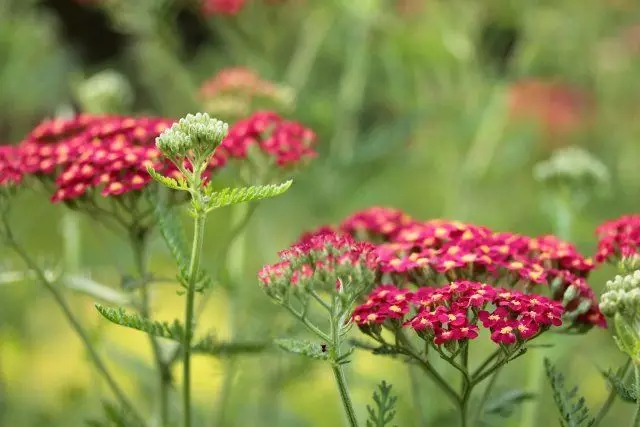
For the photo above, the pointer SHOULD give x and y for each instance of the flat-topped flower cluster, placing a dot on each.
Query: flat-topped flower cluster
(111, 153)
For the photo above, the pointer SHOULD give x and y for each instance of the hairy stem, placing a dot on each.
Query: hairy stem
(622, 372)
(138, 244)
(338, 373)
(194, 266)
(75, 325)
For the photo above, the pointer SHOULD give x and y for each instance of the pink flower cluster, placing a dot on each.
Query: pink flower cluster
(10, 173)
(325, 258)
(454, 312)
(111, 153)
(438, 251)
(222, 7)
(618, 238)
(238, 80)
(287, 143)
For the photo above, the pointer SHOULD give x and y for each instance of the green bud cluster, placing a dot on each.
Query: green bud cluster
(105, 92)
(622, 296)
(196, 135)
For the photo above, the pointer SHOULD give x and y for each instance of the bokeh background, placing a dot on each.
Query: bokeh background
(438, 107)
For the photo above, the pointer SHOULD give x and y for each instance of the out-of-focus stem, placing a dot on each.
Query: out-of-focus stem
(636, 417)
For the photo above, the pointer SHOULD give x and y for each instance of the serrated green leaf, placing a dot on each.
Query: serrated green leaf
(233, 196)
(173, 331)
(625, 392)
(574, 411)
(303, 347)
(174, 184)
(213, 347)
(384, 412)
(505, 404)
(172, 234)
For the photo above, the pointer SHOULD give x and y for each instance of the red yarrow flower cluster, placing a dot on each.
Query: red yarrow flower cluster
(10, 173)
(436, 252)
(618, 238)
(112, 153)
(237, 81)
(222, 7)
(454, 312)
(287, 143)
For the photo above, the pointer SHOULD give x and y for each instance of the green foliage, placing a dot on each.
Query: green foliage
(573, 408)
(114, 416)
(303, 347)
(384, 412)
(505, 404)
(174, 184)
(173, 234)
(234, 196)
(212, 347)
(173, 331)
(625, 392)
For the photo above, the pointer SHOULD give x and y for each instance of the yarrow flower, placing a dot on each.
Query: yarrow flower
(325, 262)
(618, 238)
(453, 313)
(286, 143)
(235, 91)
(10, 173)
(437, 252)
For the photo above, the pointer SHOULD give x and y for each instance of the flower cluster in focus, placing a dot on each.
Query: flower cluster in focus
(453, 312)
(437, 252)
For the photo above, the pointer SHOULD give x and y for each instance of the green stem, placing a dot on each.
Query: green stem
(636, 417)
(139, 243)
(622, 372)
(416, 392)
(75, 325)
(194, 265)
(467, 386)
(338, 372)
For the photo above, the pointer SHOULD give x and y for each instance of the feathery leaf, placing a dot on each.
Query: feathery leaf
(173, 331)
(234, 196)
(573, 408)
(384, 412)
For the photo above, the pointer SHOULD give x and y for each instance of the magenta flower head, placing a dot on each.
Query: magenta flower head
(618, 239)
(376, 224)
(326, 262)
(456, 312)
(271, 139)
(10, 173)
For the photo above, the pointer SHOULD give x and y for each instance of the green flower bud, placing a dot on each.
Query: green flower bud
(198, 134)
(569, 295)
(573, 166)
(105, 92)
(628, 265)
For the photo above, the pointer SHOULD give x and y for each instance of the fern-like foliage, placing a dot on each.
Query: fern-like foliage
(174, 184)
(173, 331)
(626, 393)
(173, 234)
(573, 408)
(384, 412)
(114, 416)
(234, 196)
(211, 346)
(304, 348)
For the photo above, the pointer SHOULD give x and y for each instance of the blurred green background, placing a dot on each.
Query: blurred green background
(438, 107)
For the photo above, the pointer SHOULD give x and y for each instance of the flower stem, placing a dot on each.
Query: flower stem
(338, 373)
(138, 244)
(535, 377)
(622, 372)
(485, 396)
(75, 325)
(636, 417)
(194, 266)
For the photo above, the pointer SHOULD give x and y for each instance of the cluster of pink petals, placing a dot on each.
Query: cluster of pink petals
(454, 312)
(10, 173)
(237, 80)
(424, 252)
(287, 143)
(618, 238)
(112, 153)
(318, 257)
